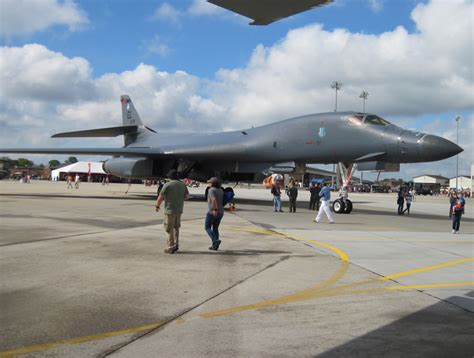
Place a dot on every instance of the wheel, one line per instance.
(348, 207)
(338, 206)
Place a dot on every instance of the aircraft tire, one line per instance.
(338, 206)
(348, 208)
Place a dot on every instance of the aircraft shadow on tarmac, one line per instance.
(106, 223)
(119, 196)
(436, 331)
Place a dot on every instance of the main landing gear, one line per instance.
(343, 205)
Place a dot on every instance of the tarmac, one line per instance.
(83, 274)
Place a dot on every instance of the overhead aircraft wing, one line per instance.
(264, 12)
(101, 132)
(128, 151)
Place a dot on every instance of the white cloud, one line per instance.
(167, 13)
(376, 5)
(429, 71)
(33, 72)
(204, 8)
(24, 17)
(407, 75)
(156, 46)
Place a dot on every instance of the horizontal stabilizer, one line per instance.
(100, 132)
(370, 157)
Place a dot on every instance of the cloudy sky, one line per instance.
(191, 66)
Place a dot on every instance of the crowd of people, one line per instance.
(175, 192)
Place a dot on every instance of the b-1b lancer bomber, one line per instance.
(355, 139)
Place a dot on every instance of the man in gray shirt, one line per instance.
(215, 212)
(173, 193)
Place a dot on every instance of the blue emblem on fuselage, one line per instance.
(322, 132)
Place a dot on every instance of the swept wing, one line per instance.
(129, 151)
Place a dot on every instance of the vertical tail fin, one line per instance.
(130, 115)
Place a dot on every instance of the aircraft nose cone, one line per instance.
(437, 148)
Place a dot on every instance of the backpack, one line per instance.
(228, 196)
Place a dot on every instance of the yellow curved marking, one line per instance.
(428, 268)
(400, 274)
(336, 292)
(303, 295)
(298, 296)
(46, 346)
(313, 292)
(436, 285)
(341, 254)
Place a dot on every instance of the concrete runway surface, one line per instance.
(83, 274)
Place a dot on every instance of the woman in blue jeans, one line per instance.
(215, 212)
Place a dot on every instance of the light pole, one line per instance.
(336, 85)
(457, 155)
(364, 96)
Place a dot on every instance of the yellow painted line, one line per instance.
(313, 292)
(335, 292)
(374, 239)
(428, 268)
(324, 294)
(436, 285)
(298, 296)
(96, 337)
(405, 273)
(341, 254)
(294, 297)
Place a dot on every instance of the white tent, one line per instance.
(79, 167)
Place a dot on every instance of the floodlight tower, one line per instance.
(336, 85)
(457, 156)
(364, 96)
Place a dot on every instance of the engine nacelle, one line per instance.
(137, 168)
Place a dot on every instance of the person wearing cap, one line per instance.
(173, 194)
(215, 212)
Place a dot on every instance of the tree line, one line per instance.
(26, 163)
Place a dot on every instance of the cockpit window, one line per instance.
(376, 120)
(355, 120)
